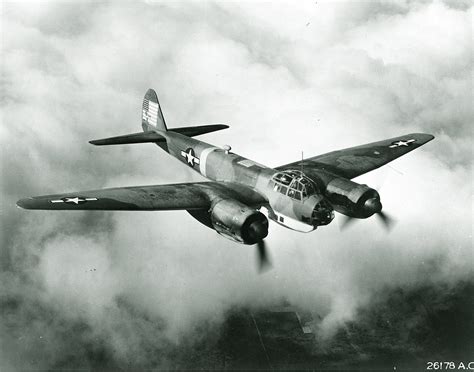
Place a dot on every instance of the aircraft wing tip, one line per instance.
(424, 136)
(25, 203)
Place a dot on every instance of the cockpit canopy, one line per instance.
(294, 184)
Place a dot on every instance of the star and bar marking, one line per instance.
(75, 200)
(190, 157)
(402, 143)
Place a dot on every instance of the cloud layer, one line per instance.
(316, 76)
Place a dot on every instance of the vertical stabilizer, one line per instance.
(152, 117)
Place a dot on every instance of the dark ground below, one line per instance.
(403, 330)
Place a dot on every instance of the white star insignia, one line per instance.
(190, 158)
(75, 200)
(401, 143)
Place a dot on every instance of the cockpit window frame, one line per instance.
(294, 183)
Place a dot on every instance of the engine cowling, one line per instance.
(353, 199)
(234, 220)
(239, 222)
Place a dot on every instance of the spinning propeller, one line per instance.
(372, 206)
(264, 262)
(258, 230)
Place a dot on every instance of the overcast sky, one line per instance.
(309, 76)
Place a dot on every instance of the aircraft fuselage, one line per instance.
(220, 165)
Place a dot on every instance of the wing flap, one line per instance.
(355, 161)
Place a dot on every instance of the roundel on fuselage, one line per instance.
(190, 157)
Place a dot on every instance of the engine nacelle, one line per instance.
(239, 222)
(234, 220)
(353, 199)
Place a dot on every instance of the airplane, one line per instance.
(301, 196)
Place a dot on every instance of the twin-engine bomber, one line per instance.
(301, 195)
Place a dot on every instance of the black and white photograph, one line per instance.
(236, 185)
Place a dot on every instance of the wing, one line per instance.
(189, 196)
(354, 161)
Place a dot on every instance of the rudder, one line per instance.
(152, 117)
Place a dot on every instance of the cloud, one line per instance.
(316, 76)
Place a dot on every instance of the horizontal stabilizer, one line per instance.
(198, 130)
(154, 137)
(142, 137)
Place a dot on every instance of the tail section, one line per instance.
(151, 112)
(152, 123)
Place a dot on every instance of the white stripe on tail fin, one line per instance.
(151, 112)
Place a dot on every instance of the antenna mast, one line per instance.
(302, 158)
